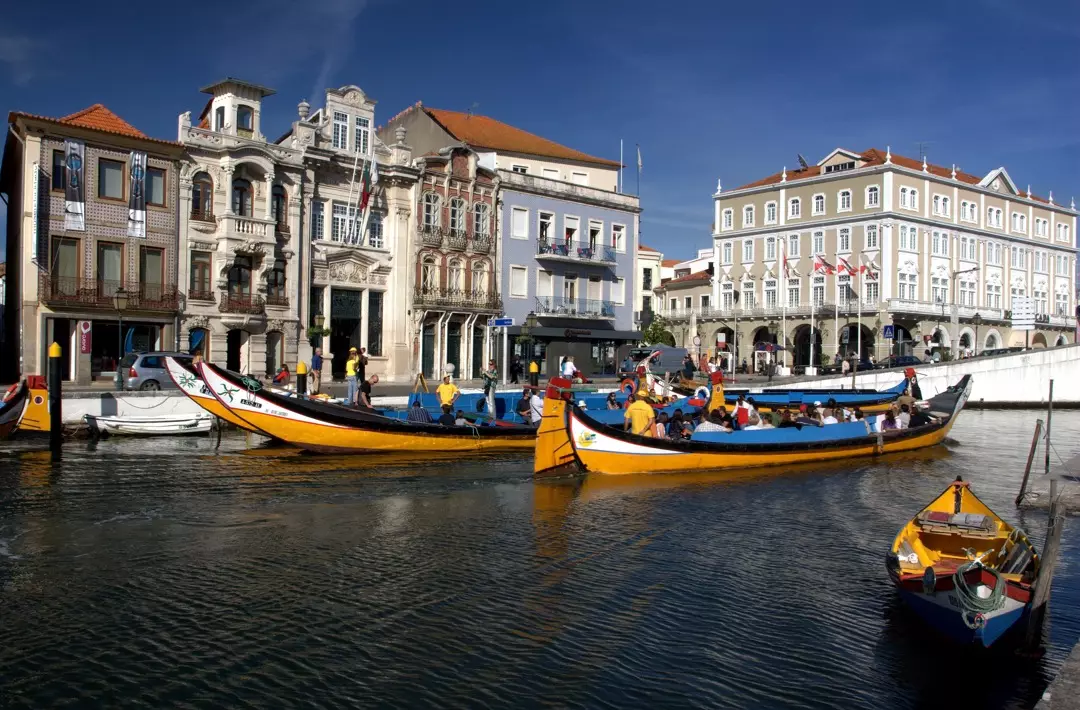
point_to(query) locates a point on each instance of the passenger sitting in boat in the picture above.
(742, 412)
(282, 376)
(446, 418)
(365, 390)
(807, 418)
(787, 421)
(461, 420)
(522, 406)
(661, 425)
(757, 422)
(904, 418)
(889, 423)
(828, 417)
(640, 416)
(919, 418)
(612, 401)
(418, 414)
(536, 408)
(713, 421)
(581, 404)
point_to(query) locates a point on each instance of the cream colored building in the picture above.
(649, 261)
(939, 255)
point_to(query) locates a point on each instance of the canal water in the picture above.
(170, 574)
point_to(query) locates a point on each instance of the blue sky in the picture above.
(709, 89)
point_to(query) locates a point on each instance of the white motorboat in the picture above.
(167, 425)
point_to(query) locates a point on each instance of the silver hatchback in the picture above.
(147, 371)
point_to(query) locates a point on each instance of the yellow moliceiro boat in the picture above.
(325, 427)
(569, 441)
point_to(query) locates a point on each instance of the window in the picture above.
(375, 323)
(219, 119)
(317, 219)
(818, 243)
(727, 256)
(843, 239)
(646, 279)
(1042, 302)
(748, 216)
(241, 197)
(688, 303)
(432, 211)
(618, 238)
(749, 295)
(1042, 262)
(673, 305)
(908, 286)
(871, 292)
(967, 293)
(914, 199)
(993, 217)
(909, 198)
(481, 220)
(1062, 232)
(968, 248)
(727, 295)
(1017, 290)
(110, 179)
(993, 295)
(1019, 258)
(939, 289)
(704, 302)
(794, 208)
(341, 131)
(64, 266)
(817, 291)
(770, 249)
(967, 211)
(279, 206)
(728, 219)
(570, 229)
(870, 236)
(873, 196)
(59, 173)
(110, 267)
(909, 238)
(843, 201)
(245, 121)
(770, 293)
(519, 281)
(793, 245)
(596, 229)
(456, 276)
(748, 250)
(429, 274)
(844, 293)
(547, 222)
(1042, 227)
(202, 197)
(375, 231)
(361, 131)
(275, 283)
(551, 174)
(579, 178)
(523, 169)
(457, 215)
(939, 243)
(770, 213)
(344, 225)
(819, 204)
(794, 292)
(837, 167)
(618, 291)
(1019, 222)
(151, 272)
(941, 206)
(1061, 304)
(993, 253)
(201, 268)
(904, 198)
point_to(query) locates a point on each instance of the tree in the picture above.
(657, 333)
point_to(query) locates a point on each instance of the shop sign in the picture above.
(84, 337)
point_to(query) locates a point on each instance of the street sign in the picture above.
(1023, 313)
(845, 336)
(889, 332)
(500, 322)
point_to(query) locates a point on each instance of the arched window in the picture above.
(202, 197)
(479, 278)
(843, 201)
(456, 281)
(432, 218)
(245, 121)
(279, 202)
(199, 339)
(240, 276)
(481, 220)
(241, 197)
(429, 274)
(457, 215)
(275, 284)
(872, 196)
(748, 216)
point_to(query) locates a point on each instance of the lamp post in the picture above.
(120, 303)
(976, 320)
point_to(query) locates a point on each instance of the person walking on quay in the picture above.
(534, 372)
(350, 377)
(515, 370)
(316, 372)
(365, 391)
(447, 392)
(417, 413)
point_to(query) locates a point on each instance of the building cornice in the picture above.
(569, 192)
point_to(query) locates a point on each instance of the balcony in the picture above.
(202, 215)
(457, 240)
(200, 295)
(277, 300)
(481, 244)
(575, 252)
(561, 307)
(458, 299)
(935, 311)
(249, 228)
(431, 236)
(241, 303)
(77, 292)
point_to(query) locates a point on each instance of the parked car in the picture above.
(899, 361)
(836, 369)
(147, 371)
(1001, 351)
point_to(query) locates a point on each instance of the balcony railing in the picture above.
(431, 236)
(938, 312)
(250, 227)
(802, 310)
(195, 294)
(574, 307)
(241, 303)
(574, 251)
(481, 244)
(58, 291)
(202, 215)
(457, 298)
(457, 240)
(278, 300)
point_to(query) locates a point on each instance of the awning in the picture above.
(547, 332)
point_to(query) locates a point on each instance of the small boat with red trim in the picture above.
(11, 409)
(963, 569)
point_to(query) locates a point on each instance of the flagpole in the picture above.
(622, 185)
(811, 365)
(639, 169)
(858, 320)
(352, 185)
(783, 291)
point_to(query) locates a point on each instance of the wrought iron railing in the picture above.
(431, 236)
(95, 293)
(200, 215)
(575, 251)
(277, 300)
(195, 294)
(457, 298)
(457, 240)
(481, 244)
(241, 303)
(574, 307)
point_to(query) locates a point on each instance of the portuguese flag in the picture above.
(368, 181)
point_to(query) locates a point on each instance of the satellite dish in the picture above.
(802, 162)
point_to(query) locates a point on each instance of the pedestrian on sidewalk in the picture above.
(316, 372)
(534, 373)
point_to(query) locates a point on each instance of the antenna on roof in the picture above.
(802, 162)
(472, 109)
(923, 145)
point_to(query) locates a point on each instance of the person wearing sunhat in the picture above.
(640, 416)
(351, 366)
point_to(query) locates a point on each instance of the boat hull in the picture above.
(190, 383)
(151, 426)
(11, 410)
(941, 611)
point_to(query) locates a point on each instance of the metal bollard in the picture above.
(301, 378)
(56, 418)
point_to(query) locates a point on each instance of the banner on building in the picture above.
(137, 196)
(75, 188)
(34, 232)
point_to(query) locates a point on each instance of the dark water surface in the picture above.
(165, 574)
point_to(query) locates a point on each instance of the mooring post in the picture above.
(1030, 460)
(1049, 416)
(301, 378)
(1048, 560)
(56, 418)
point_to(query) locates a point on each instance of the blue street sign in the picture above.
(889, 332)
(500, 322)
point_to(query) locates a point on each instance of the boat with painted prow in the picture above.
(964, 569)
(326, 427)
(184, 373)
(11, 409)
(571, 441)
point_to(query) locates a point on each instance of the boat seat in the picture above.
(904, 552)
(1020, 556)
(973, 524)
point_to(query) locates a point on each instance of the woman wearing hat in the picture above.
(350, 376)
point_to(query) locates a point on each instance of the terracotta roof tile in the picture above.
(484, 132)
(642, 247)
(702, 276)
(96, 118)
(670, 262)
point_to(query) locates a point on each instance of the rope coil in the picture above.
(974, 608)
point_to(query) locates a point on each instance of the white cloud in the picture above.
(18, 56)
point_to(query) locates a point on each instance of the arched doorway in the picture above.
(237, 348)
(275, 352)
(1038, 340)
(723, 342)
(199, 339)
(965, 343)
(992, 341)
(802, 341)
(940, 345)
(902, 343)
(761, 338)
(850, 340)
(1061, 340)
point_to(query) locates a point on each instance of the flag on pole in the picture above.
(822, 266)
(639, 158)
(365, 185)
(846, 266)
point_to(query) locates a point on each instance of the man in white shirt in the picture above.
(568, 369)
(828, 417)
(536, 408)
(904, 418)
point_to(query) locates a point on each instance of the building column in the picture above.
(364, 317)
(269, 192)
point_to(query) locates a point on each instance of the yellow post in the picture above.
(301, 378)
(56, 419)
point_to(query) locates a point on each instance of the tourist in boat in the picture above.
(581, 404)
(613, 401)
(787, 421)
(919, 418)
(536, 408)
(680, 426)
(713, 422)
(889, 423)
(365, 391)
(446, 418)
(350, 377)
(197, 356)
(904, 417)
(447, 392)
(460, 420)
(742, 412)
(523, 405)
(417, 413)
(829, 417)
(640, 416)
(806, 417)
(316, 372)
(661, 426)
(282, 376)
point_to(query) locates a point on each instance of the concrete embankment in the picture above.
(1064, 691)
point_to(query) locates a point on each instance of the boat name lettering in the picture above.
(250, 403)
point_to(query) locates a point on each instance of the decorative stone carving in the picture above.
(204, 227)
(201, 246)
(250, 248)
(275, 324)
(348, 272)
(322, 275)
(353, 98)
(193, 322)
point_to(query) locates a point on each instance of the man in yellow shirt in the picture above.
(640, 416)
(350, 377)
(447, 392)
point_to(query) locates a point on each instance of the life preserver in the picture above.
(627, 386)
(702, 393)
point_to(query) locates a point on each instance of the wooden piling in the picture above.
(1030, 460)
(56, 412)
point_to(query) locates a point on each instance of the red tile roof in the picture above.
(96, 118)
(874, 157)
(670, 262)
(642, 247)
(483, 132)
(689, 279)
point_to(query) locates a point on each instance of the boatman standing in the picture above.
(447, 392)
(316, 372)
(639, 416)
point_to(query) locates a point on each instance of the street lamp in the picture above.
(120, 303)
(320, 320)
(976, 320)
